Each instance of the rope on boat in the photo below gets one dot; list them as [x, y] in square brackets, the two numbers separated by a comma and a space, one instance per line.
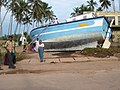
[38, 35]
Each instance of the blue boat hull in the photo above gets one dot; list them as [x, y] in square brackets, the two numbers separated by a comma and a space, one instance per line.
[75, 35]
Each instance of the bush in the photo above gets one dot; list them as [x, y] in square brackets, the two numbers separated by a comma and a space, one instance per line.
[20, 57]
[100, 52]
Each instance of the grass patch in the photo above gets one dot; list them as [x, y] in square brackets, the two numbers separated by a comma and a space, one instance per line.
[100, 52]
[20, 57]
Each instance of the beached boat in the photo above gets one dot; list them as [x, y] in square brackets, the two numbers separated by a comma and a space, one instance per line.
[74, 34]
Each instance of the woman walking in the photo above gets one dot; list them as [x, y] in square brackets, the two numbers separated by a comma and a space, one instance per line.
[41, 51]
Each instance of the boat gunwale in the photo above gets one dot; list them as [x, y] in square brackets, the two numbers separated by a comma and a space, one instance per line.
[71, 22]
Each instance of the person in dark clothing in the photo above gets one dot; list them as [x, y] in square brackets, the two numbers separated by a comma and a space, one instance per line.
[0, 60]
[10, 48]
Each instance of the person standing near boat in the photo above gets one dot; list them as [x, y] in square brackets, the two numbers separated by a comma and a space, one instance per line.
[0, 59]
[24, 45]
[41, 50]
[10, 48]
[36, 45]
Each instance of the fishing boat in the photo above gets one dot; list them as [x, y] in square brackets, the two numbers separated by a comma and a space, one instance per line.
[76, 33]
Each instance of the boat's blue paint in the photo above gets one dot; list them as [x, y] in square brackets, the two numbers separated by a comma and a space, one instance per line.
[60, 34]
[72, 22]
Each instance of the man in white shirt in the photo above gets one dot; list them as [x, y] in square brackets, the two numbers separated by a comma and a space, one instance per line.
[41, 51]
[10, 48]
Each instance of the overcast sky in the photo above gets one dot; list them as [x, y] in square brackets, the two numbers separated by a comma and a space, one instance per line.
[61, 8]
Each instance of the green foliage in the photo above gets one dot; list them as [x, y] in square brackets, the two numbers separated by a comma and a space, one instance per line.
[25, 34]
[105, 4]
[91, 4]
[17, 37]
[29, 39]
[20, 57]
[4, 37]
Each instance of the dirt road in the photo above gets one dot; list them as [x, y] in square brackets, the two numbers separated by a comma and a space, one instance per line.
[98, 75]
[62, 71]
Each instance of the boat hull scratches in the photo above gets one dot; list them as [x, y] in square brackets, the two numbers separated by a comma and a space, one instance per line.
[72, 45]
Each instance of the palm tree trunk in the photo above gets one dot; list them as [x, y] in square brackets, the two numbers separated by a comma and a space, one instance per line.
[0, 21]
[16, 28]
[24, 28]
[119, 5]
[19, 28]
[11, 22]
[4, 16]
[9, 29]
[36, 24]
[27, 28]
[113, 4]
[33, 23]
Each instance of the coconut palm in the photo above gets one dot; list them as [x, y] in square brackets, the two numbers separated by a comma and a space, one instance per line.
[24, 11]
[76, 12]
[119, 4]
[99, 9]
[0, 19]
[91, 4]
[47, 13]
[40, 11]
[2, 3]
[36, 9]
[80, 10]
[10, 6]
[21, 13]
[113, 4]
[105, 4]
[84, 8]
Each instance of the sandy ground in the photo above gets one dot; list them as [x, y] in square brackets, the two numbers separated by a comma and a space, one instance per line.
[62, 71]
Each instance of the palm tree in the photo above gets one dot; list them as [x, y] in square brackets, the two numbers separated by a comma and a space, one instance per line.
[119, 4]
[91, 4]
[105, 4]
[84, 8]
[10, 6]
[76, 12]
[113, 4]
[35, 7]
[40, 11]
[21, 13]
[24, 11]
[47, 13]
[0, 19]
[80, 10]
[99, 9]
[2, 3]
